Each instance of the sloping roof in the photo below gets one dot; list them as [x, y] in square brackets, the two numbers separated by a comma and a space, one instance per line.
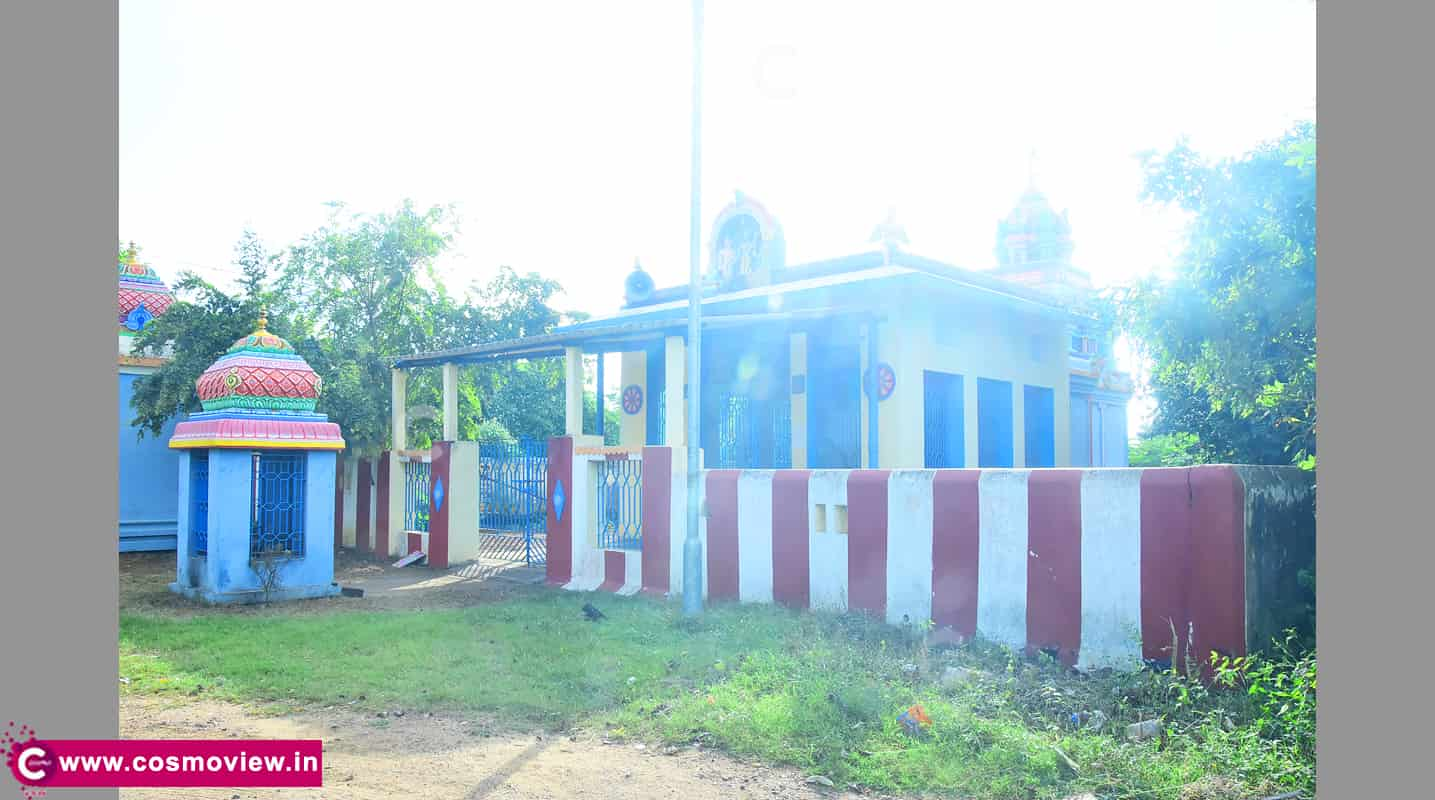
[610, 332]
[666, 310]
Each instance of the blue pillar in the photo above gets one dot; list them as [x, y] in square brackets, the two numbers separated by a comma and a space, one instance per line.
[872, 400]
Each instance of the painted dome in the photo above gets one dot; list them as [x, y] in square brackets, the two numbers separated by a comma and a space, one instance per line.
[1033, 232]
[142, 295]
[259, 394]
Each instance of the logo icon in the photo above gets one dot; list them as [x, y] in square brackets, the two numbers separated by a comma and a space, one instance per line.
[29, 759]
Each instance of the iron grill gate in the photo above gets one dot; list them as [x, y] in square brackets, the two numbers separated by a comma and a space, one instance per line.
[277, 518]
[620, 504]
[513, 487]
[416, 496]
[199, 501]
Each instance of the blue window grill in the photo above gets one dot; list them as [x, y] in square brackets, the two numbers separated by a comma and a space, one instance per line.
[416, 496]
[199, 501]
[620, 504]
[277, 518]
[782, 434]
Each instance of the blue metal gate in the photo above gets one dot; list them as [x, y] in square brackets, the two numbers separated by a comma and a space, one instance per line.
[512, 487]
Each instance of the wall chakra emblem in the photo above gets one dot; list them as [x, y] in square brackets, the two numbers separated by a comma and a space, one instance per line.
[886, 382]
[633, 399]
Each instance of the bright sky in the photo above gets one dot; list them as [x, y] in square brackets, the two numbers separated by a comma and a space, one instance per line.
[561, 129]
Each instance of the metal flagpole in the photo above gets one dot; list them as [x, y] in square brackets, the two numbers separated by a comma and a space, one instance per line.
[692, 547]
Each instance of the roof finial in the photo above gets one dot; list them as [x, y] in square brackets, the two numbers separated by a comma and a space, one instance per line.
[264, 318]
[131, 253]
[890, 235]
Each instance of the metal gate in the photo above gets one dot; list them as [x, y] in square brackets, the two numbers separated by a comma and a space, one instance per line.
[512, 489]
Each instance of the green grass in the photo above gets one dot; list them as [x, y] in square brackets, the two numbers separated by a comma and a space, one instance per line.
[816, 691]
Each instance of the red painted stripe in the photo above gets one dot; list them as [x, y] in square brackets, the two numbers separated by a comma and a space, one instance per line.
[615, 570]
[791, 579]
[381, 508]
[1053, 574]
[1165, 568]
[867, 540]
[338, 501]
[439, 471]
[956, 516]
[657, 518]
[361, 515]
[722, 534]
[559, 568]
[1218, 551]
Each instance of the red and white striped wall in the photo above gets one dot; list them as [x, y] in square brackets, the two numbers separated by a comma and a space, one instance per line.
[1098, 566]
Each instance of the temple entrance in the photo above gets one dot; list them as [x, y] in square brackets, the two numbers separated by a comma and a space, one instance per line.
[747, 410]
[834, 398]
[512, 489]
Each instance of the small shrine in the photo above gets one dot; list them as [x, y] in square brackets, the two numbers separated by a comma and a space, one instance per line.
[256, 479]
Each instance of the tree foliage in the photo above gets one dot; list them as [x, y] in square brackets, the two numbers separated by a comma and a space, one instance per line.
[1232, 337]
[352, 297]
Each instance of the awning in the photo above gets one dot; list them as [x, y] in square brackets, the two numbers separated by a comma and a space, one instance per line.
[615, 335]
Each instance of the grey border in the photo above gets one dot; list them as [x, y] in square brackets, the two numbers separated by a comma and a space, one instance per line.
[58, 566]
[1374, 302]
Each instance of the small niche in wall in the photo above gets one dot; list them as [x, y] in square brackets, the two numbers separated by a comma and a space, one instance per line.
[821, 520]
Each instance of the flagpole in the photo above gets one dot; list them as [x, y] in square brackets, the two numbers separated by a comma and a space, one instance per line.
[692, 546]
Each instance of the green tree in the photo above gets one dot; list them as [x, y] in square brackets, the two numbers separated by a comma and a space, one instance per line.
[1232, 336]
[352, 297]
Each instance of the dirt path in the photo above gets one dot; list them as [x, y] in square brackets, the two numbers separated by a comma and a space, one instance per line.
[444, 758]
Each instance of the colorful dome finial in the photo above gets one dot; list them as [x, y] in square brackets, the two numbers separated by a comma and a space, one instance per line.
[263, 319]
[142, 295]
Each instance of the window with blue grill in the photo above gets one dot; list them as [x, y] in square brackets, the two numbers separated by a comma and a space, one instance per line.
[994, 423]
[199, 501]
[620, 504]
[944, 420]
[277, 517]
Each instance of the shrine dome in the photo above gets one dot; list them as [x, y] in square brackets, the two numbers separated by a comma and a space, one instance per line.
[1033, 232]
[142, 295]
[260, 394]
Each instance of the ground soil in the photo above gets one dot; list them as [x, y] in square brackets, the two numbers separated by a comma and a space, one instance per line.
[421, 755]
[449, 758]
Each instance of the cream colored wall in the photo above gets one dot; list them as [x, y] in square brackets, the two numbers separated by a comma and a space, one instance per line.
[675, 370]
[633, 428]
[899, 417]
[984, 343]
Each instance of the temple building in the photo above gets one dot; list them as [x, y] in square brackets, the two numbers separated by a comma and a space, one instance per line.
[148, 506]
[878, 359]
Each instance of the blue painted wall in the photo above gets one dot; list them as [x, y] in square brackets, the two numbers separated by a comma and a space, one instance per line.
[224, 574]
[653, 393]
[994, 423]
[148, 478]
[1039, 423]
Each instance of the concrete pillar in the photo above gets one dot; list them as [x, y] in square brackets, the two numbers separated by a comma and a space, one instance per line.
[797, 367]
[464, 539]
[633, 430]
[399, 412]
[675, 367]
[572, 391]
[398, 537]
[450, 402]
